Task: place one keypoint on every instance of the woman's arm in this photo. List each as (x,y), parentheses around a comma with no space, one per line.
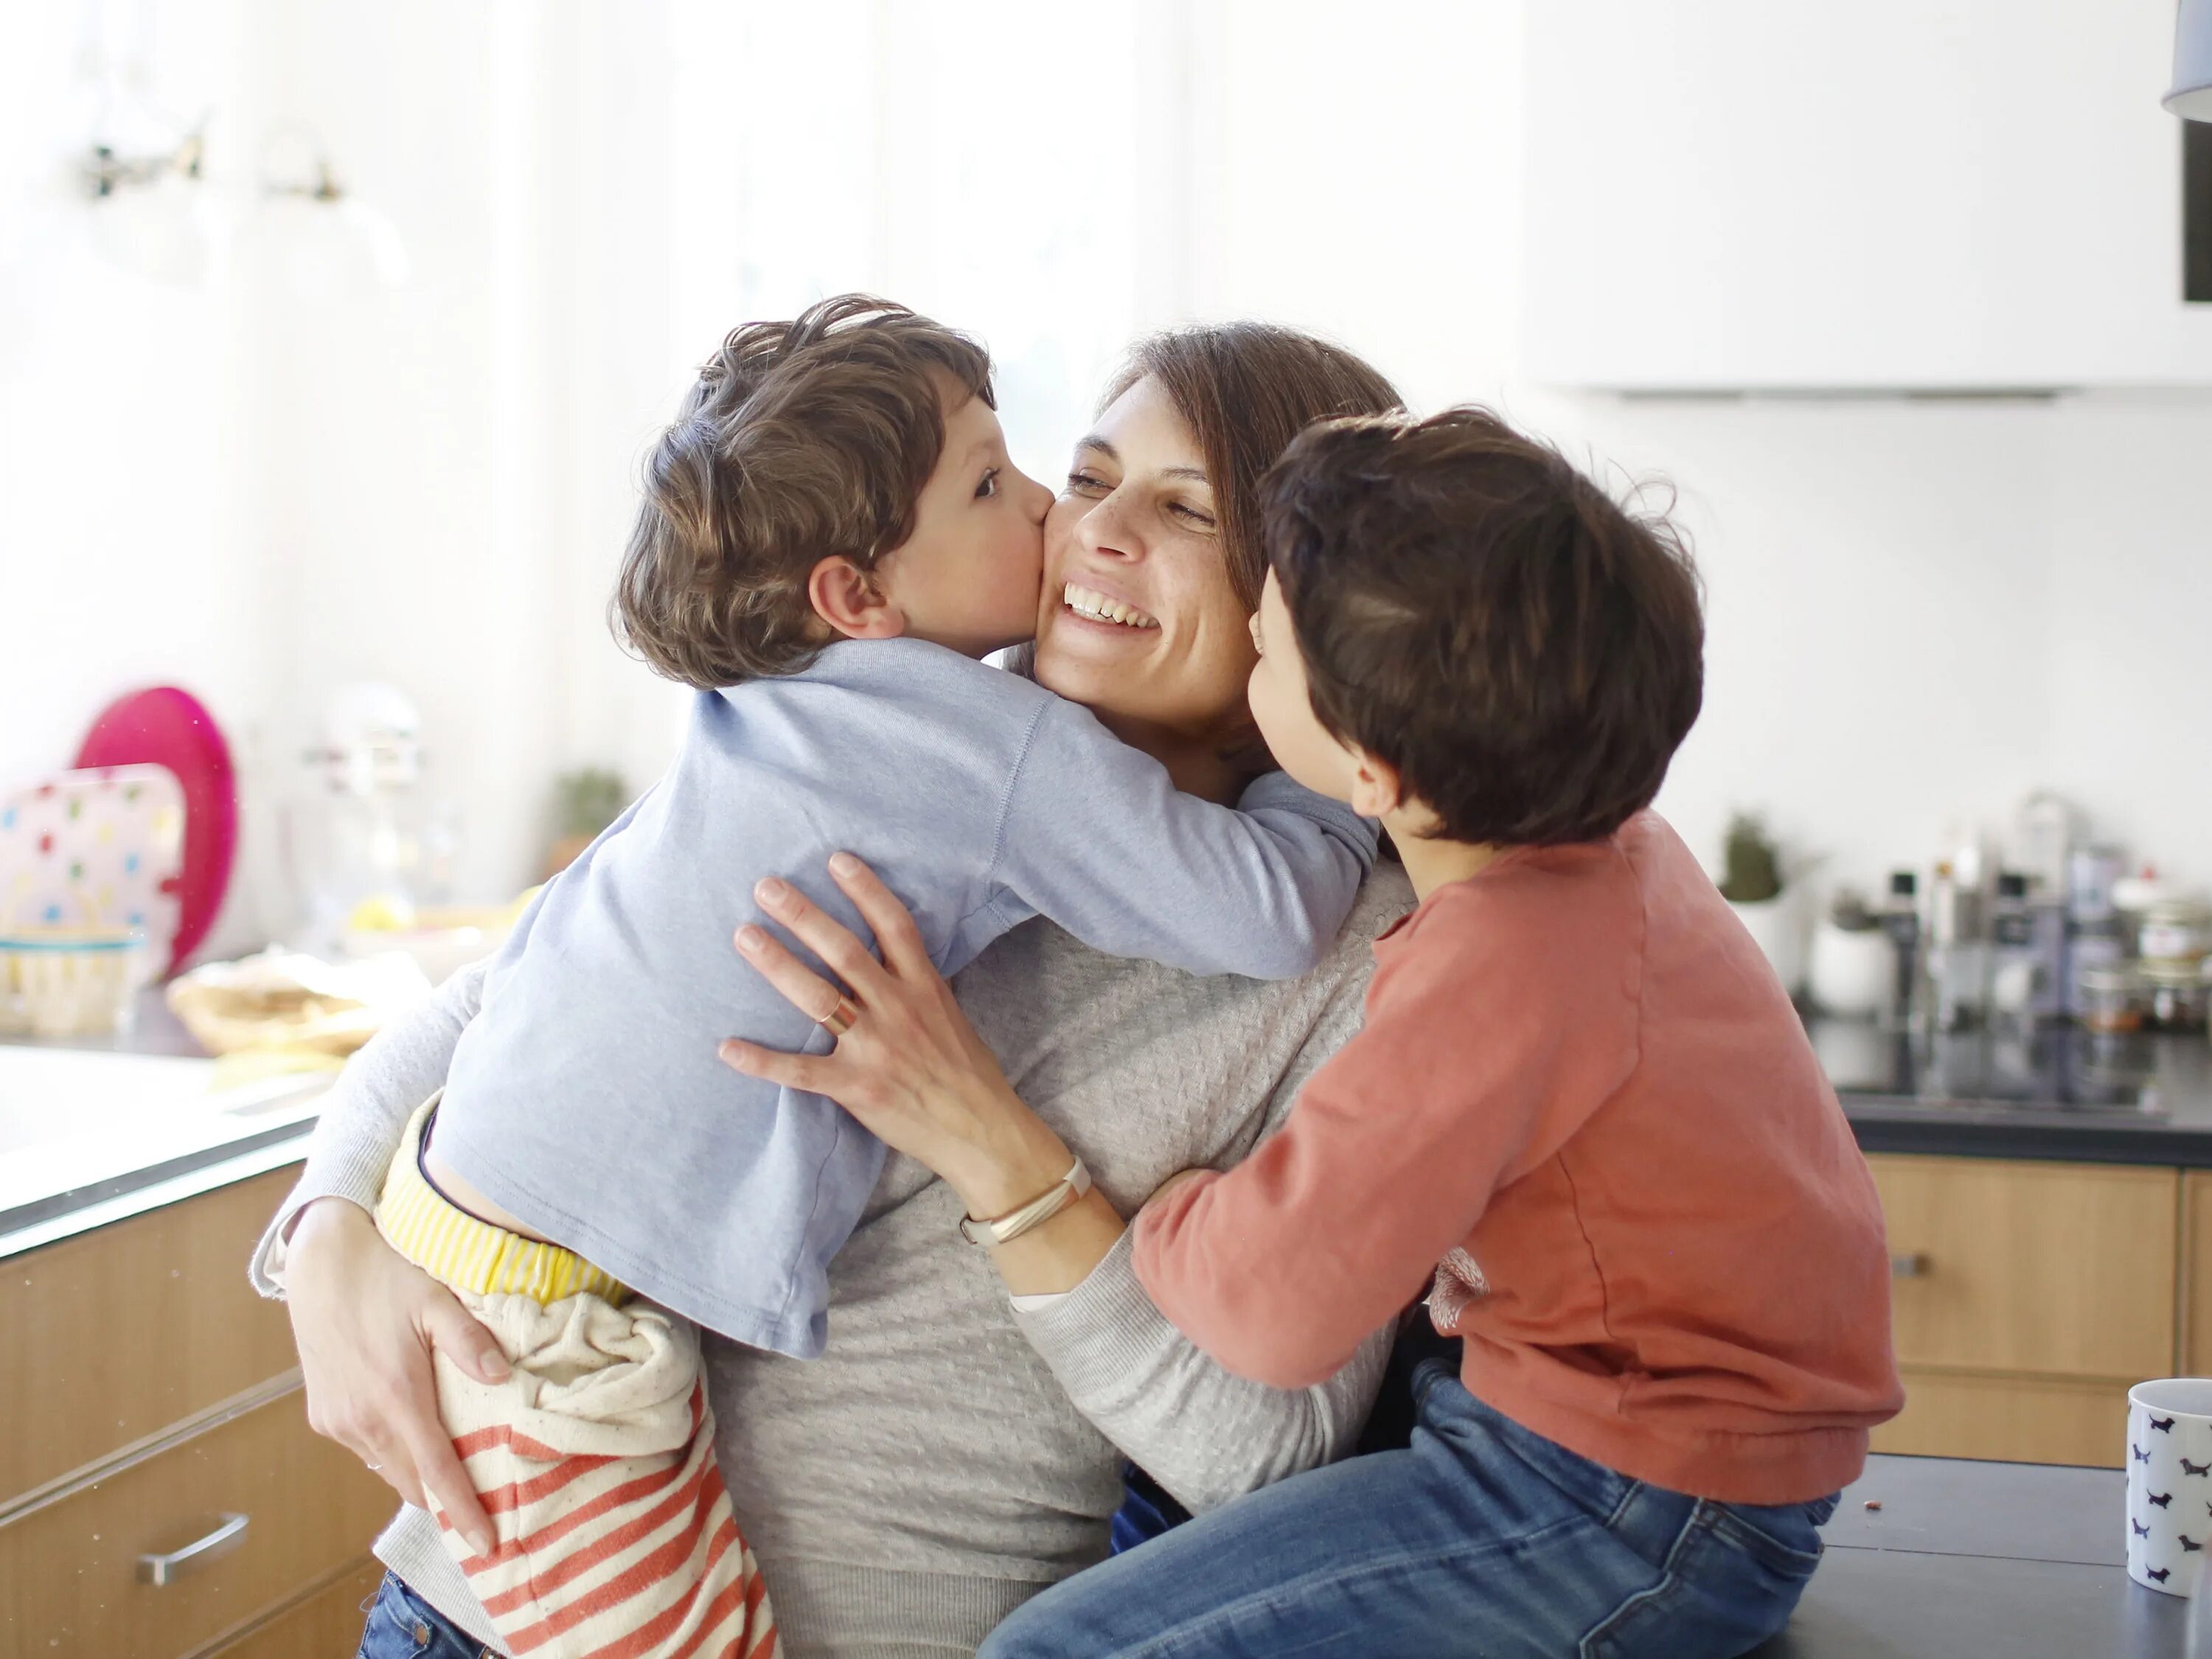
(364,1318)
(914,1070)
(365,1110)
(1204,1434)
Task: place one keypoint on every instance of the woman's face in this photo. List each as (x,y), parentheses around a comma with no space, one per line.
(1138,618)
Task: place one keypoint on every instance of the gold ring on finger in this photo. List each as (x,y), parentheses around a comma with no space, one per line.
(839,1020)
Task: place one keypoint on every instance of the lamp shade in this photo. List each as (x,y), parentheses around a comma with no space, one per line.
(2191,97)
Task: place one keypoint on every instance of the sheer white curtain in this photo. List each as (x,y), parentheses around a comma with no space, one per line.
(1020,170)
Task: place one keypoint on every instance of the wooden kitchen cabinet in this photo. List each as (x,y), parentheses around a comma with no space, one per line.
(2027,1297)
(152,1400)
(70,1579)
(131,1328)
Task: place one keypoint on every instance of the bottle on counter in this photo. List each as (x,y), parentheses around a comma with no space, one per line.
(2023,981)
(1901,921)
(2095,937)
(1956,980)
(2043,835)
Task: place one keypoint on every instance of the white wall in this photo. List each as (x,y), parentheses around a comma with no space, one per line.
(1917,610)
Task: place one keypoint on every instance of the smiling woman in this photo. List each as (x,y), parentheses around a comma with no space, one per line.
(1152,564)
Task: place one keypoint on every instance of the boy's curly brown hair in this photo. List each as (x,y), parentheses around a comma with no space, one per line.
(801,440)
(1475,611)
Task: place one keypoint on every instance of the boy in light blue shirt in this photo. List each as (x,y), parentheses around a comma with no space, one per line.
(832,538)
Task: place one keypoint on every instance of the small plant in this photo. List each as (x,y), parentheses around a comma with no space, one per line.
(587,801)
(1754,863)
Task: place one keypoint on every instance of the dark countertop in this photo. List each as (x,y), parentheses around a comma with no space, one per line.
(2065,1095)
(2023,1559)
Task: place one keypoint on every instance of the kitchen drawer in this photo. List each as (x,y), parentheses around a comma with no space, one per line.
(69,1571)
(2059,1269)
(137,1326)
(325,1624)
(2010,1419)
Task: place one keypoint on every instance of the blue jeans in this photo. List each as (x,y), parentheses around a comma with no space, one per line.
(1482,1539)
(402,1625)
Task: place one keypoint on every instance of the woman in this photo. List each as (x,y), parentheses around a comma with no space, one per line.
(954,1453)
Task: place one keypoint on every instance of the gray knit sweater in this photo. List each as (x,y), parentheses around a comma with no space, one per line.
(949,1456)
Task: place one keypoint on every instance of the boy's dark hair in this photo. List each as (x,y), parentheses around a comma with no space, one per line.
(799,441)
(1476,613)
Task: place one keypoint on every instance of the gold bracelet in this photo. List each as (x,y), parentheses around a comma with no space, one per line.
(1038,1211)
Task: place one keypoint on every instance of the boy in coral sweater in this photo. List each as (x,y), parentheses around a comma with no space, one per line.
(1583,1113)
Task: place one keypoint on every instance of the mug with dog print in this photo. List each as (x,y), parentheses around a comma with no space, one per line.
(2169,1482)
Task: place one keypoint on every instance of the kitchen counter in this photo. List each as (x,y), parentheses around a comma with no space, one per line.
(93,1131)
(2066,1095)
(2025,1559)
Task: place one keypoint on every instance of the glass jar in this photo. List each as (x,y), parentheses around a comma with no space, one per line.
(2174,997)
(2112,997)
(2177,930)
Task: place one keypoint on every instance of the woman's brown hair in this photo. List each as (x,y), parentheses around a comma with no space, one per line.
(1245,390)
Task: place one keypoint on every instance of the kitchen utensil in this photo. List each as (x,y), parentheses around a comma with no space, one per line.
(171,728)
(101,848)
(69,981)
(2169,1452)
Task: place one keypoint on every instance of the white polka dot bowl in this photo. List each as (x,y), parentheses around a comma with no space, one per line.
(2169,1482)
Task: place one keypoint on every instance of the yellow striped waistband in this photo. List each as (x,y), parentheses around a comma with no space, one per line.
(466,1254)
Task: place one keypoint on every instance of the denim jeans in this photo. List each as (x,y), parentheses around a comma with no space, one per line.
(402,1625)
(1481,1539)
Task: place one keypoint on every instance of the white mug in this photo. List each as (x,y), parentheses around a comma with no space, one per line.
(2169,1482)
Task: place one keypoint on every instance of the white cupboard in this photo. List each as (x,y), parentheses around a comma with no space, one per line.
(1933,194)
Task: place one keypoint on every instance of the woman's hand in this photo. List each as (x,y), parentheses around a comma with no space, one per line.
(366,1319)
(911,1068)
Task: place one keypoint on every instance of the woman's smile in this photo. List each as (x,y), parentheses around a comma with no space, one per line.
(1101,606)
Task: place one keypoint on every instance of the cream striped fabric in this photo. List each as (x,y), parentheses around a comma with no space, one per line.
(594,1459)
(461,1252)
(615,1538)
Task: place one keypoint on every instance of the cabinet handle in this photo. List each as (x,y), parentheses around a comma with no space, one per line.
(1914,1266)
(159,1570)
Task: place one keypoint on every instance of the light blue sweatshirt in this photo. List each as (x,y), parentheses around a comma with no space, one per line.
(586,1096)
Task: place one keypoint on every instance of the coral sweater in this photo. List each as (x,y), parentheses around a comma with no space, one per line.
(1583,1092)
